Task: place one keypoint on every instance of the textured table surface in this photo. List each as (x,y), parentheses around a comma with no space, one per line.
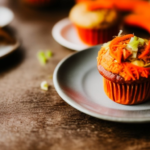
(32,119)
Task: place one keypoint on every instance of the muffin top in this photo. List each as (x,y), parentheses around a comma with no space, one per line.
(93,14)
(125,58)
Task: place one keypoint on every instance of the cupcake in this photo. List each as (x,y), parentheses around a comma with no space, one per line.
(95,21)
(124,64)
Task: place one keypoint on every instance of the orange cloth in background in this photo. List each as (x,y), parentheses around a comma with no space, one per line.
(139,9)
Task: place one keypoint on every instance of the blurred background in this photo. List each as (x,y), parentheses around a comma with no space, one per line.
(33,119)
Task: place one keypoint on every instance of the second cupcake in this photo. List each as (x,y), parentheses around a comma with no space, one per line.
(96,22)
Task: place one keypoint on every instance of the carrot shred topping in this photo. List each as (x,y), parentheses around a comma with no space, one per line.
(116,50)
(134,72)
(146,51)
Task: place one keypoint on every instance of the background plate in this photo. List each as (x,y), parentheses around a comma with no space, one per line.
(6,16)
(65,34)
(7,49)
(79,83)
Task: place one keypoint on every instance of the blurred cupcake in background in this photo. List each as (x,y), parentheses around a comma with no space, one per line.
(96,21)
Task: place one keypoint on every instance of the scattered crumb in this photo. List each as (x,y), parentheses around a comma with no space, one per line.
(120,32)
(44,56)
(48,54)
(44,85)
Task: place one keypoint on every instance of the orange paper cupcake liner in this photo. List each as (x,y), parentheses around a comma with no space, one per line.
(127,94)
(96,36)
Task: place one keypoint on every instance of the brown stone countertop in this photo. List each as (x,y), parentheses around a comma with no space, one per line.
(32,119)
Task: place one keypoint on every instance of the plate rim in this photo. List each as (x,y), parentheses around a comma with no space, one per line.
(12,15)
(82,109)
(15,47)
(56,35)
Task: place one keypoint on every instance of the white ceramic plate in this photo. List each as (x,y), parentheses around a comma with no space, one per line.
(78,82)
(6,16)
(65,34)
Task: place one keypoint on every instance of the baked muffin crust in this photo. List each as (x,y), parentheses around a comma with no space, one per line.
(98,19)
